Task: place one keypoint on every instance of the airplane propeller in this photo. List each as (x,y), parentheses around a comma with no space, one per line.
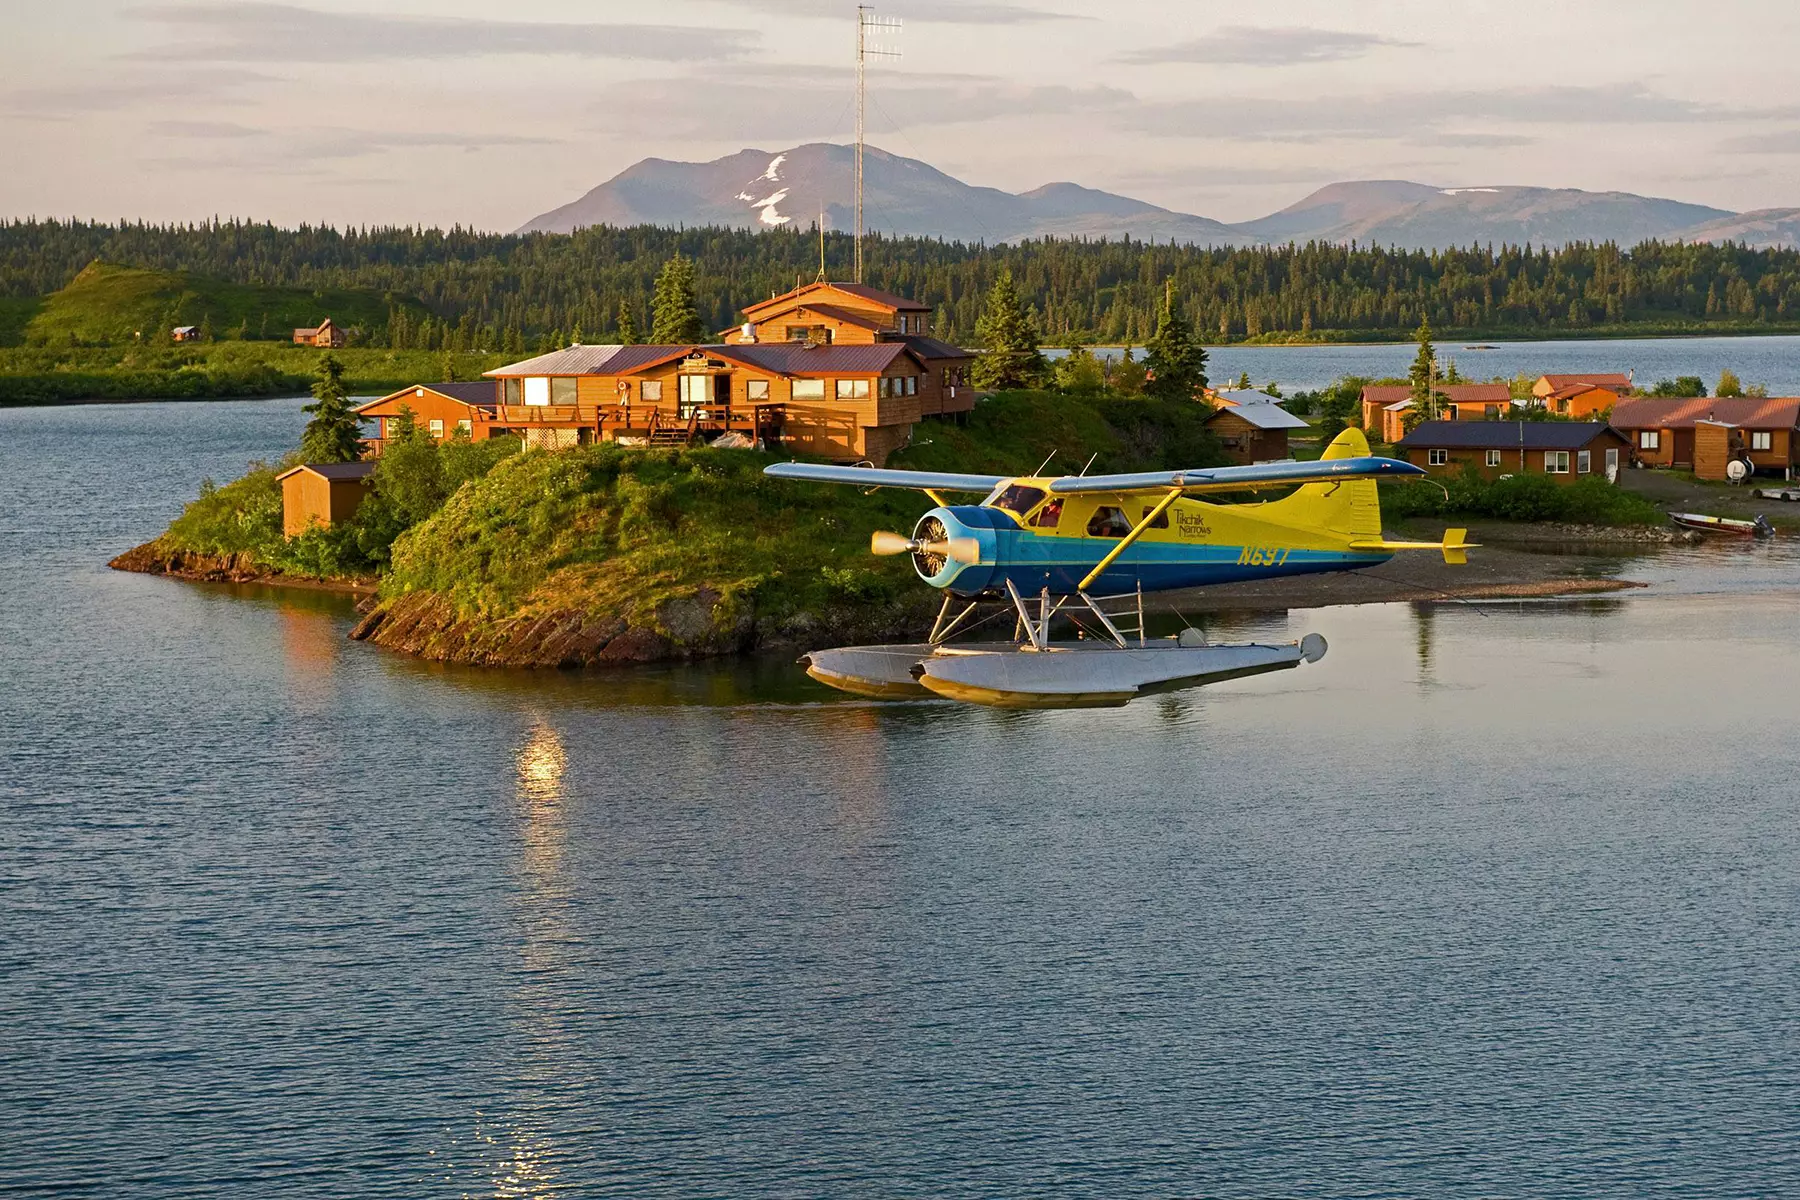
(963,550)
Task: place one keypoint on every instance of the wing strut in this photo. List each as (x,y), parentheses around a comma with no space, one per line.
(1137,530)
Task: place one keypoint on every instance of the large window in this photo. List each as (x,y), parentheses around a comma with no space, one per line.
(537,390)
(1556,462)
(1437,458)
(1762,439)
(514,392)
(809,389)
(756,389)
(852,389)
(651,390)
(1649,439)
(562,390)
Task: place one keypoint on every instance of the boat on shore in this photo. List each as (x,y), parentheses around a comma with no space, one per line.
(1730,526)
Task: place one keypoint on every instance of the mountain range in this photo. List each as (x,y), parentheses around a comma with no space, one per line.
(795,187)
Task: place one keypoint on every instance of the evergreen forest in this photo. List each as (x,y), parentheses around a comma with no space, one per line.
(499,292)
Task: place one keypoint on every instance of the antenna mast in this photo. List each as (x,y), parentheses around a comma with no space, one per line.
(867,23)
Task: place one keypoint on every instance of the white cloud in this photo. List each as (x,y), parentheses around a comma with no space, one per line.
(1267,46)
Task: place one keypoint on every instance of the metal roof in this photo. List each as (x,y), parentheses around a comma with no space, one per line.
(796,358)
(573,360)
(930,347)
(1749,412)
(1505,435)
(334,471)
(1606,379)
(474,392)
(875,296)
(1456,393)
(1263,415)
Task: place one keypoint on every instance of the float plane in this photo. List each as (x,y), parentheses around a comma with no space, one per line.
(1087,548)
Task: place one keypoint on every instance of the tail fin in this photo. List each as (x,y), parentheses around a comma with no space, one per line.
(1352,507)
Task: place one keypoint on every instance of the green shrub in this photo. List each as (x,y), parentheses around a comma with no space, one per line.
(243,517)
(1524,497)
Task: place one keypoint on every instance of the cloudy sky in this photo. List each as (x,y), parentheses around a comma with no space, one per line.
(447,111)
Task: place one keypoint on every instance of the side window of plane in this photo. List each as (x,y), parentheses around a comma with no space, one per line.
(1049,515)
(1108,522)
(1162,518)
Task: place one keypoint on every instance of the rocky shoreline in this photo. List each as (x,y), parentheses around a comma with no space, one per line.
(159,558)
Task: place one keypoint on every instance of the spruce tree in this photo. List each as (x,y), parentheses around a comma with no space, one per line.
(334,435)
(674,315)
(1011,358)
(628,332)
(1174,354)
(1423,375)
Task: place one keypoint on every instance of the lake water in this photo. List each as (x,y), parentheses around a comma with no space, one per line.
(1773,362)
(1497,900)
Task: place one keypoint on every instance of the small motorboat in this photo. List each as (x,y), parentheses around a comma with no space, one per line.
(1759,528)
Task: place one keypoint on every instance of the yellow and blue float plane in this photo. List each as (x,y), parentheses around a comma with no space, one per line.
(1083,537)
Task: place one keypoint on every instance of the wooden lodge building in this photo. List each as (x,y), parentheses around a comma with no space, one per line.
(1581,397)
(1563,450)
(324,335)
(834,370)
(1704,434)
(1384,406)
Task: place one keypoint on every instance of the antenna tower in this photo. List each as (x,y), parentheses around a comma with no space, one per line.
(869,27)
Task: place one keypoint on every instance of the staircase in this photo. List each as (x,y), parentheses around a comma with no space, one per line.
(673,433)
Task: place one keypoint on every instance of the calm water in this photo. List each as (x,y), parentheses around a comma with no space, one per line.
(1773,362)
(1498,900)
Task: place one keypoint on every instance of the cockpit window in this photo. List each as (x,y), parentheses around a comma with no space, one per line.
(1049,515)
(1108,522)
(1017,499)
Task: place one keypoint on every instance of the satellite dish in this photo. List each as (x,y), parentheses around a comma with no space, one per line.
(1737,470)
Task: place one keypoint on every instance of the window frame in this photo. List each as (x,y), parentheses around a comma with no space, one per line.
(1649,439)
(1584,462)
(436,427)
(756,389)
(1437,458)
(1556,462)
(650,391)
(804,389)
(1493,458)
(564,391)
(1761,440)
(853,389)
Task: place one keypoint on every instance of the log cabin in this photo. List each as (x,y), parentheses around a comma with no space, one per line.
(1253,432)
(443,410)
(1572,395)
(1663,433)
(1563,450)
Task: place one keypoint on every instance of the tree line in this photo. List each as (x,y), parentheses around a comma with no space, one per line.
(505,292)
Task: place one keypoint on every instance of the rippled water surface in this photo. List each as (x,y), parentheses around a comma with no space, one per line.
(1498,900)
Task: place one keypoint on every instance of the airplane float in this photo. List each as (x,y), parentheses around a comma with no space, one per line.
(1087,548)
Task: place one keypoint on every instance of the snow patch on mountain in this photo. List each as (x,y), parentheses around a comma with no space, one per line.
(769,215)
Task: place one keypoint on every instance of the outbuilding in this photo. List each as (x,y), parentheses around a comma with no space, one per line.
(1667,433)
(1564,450)
(322,494)
(1254,432)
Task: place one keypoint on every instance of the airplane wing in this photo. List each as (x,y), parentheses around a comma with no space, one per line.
(1228,479)
(870,477)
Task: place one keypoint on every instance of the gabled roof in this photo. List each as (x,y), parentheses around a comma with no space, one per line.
(186,329)
(1569,391)
(1612,381)
(479,392)
(337,472)
(571,360)
(875,296)
(930,347)
(1232,397)
(1388,395)
(1263,416)
(796,358)
(1750,412)
(1505,435)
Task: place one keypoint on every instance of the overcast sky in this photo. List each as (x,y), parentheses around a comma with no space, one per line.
(400,111)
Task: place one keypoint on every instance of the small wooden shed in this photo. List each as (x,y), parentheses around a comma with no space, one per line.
(321,494)
(1254,432)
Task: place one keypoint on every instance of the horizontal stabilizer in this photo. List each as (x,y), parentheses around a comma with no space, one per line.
(1455,546)
(871,477)
(1231,479)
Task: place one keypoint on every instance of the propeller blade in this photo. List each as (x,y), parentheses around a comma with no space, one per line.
(963,550)
(885,543)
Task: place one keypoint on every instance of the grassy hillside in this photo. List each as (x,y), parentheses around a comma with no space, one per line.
(112,305)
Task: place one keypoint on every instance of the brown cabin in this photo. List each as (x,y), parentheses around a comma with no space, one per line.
(1564,450)
(324,335)
(315,495)
(1581,397)
(1253,431)
(1664,433)
(1384,406)
(443,410)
